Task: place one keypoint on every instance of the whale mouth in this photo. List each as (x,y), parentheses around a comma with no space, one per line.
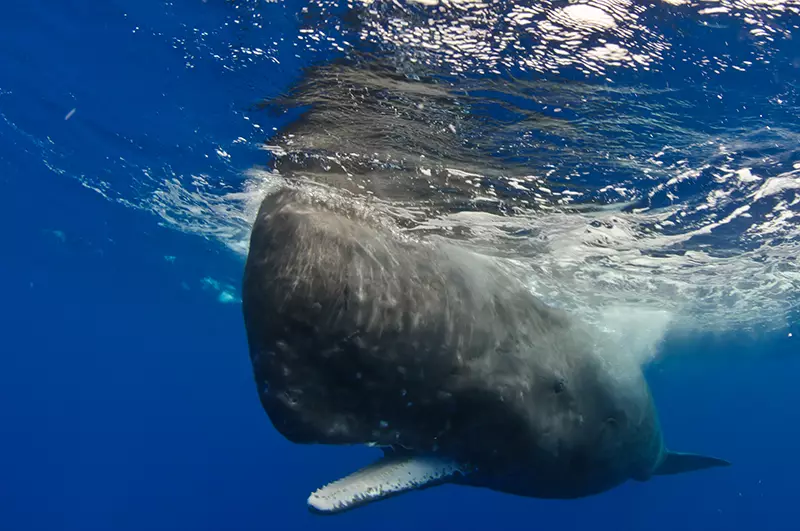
(387,477)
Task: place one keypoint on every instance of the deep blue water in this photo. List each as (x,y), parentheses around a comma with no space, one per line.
(126,395)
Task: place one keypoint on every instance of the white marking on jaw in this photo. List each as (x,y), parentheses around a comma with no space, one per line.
(384,478)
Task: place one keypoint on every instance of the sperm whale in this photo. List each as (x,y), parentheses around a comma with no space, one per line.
(359,334)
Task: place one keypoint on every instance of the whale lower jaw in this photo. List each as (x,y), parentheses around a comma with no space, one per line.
(389,476)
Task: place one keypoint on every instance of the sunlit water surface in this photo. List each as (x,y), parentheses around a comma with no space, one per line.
(638,163)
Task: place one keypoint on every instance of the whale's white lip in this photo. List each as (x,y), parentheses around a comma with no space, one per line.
(386,477)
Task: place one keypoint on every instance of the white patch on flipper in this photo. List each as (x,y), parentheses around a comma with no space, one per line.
(387,477)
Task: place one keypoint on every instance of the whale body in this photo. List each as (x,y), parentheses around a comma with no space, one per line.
(359,334)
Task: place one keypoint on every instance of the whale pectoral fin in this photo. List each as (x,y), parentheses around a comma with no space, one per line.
(389,476)
(678,463)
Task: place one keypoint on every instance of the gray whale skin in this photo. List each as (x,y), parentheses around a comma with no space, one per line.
(358,335)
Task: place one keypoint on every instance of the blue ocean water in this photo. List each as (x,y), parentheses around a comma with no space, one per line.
(127,131)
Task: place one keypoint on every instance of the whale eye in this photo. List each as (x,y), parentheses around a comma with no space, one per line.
(559,387)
